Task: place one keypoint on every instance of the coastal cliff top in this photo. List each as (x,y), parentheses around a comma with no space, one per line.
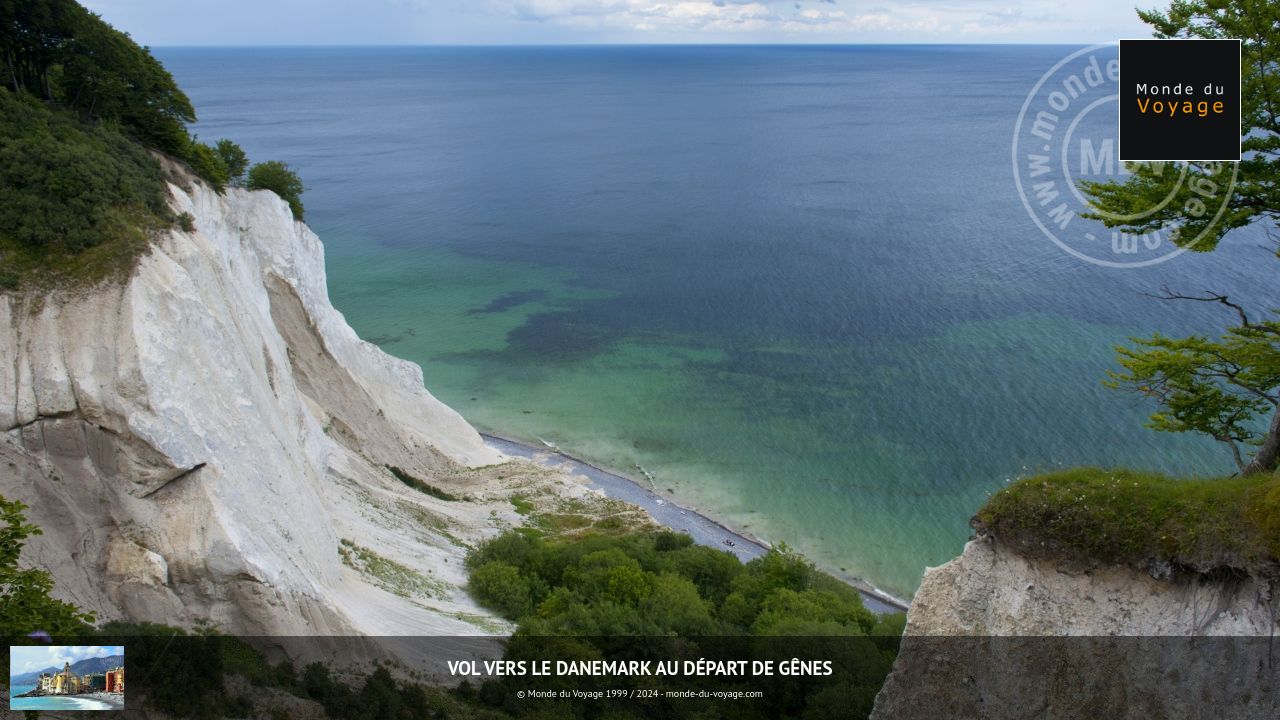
(1168,527)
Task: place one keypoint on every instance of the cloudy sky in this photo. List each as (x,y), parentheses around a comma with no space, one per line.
(23,660)
(408,22)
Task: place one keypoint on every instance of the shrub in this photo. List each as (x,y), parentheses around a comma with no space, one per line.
(79,201)
(208,164)
(233,159)
(26,602)
(421,485)
(641,595)
(499,586)
(81,193)
(276,176)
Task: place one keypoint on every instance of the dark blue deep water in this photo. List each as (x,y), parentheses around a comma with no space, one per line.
(795,284)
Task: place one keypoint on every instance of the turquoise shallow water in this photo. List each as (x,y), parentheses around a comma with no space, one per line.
(795,284)
(51,703)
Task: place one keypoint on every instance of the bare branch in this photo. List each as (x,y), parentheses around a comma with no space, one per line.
(1209,296)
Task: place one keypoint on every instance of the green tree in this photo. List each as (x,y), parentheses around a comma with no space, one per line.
(68,186)
(276,176)
(208,164)
(25,602)
(674,603)
(32,32)
(1256,194)
(233,158)
(1220,388)
(106,75)
(500,586)
(812,613)
(1225,388)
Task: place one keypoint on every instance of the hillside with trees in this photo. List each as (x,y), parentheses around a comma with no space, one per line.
(85,115)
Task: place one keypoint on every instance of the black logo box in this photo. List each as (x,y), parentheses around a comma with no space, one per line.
(1186,68)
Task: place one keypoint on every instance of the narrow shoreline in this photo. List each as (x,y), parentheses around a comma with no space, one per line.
(703,528)
(111,700)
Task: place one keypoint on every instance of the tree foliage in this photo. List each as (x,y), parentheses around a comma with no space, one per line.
(60,51)
(657,596)
(657,583)
(1256,194)
(1221,388)
(26,605)
(276,176)
(233,159)
(67,186)
(208,164)
(82,105)
(1226,388)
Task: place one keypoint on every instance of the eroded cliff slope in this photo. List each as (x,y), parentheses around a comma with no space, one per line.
(209,441)
(994,634)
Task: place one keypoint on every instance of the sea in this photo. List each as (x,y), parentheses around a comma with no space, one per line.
(796,285)
(52,703)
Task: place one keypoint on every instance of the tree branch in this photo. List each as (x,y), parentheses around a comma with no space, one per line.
(1209,296)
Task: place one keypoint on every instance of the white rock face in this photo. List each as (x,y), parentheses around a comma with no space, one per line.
(990,590)
(993,634)
(198,441)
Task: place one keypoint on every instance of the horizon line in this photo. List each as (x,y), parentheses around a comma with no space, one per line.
(301,46)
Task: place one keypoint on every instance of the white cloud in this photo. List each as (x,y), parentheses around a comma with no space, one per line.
(361,22)
(919,18)
(29,659)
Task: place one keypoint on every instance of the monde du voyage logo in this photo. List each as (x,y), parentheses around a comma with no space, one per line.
(1169,109)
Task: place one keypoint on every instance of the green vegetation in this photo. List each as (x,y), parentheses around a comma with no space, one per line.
(1226,388)
(206,163)
(1256,194)
(522,505)
(25,602)
(233,158)
(186,676)
(390,575)
(655,583)
(657,595)
(1087,516)
(1219,388)
(82,111)
(548,514)
(59,51)
(275,176)
(422,486)
(78,199)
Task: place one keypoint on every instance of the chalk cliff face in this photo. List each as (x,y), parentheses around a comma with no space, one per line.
(994,634)
(209,441)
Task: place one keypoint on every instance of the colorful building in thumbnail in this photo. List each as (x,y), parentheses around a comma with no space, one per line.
(65,682)
(114,680)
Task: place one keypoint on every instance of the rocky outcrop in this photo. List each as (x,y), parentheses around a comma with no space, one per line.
(994,634)
(208,441)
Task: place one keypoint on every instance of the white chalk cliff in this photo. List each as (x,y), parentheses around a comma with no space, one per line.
(995,634)
(199,440)
(993,590)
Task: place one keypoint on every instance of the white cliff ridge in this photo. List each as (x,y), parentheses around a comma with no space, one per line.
(208,440)
(991,590)
(994,634)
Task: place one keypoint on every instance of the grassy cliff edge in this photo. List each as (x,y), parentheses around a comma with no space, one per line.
(1161,525)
